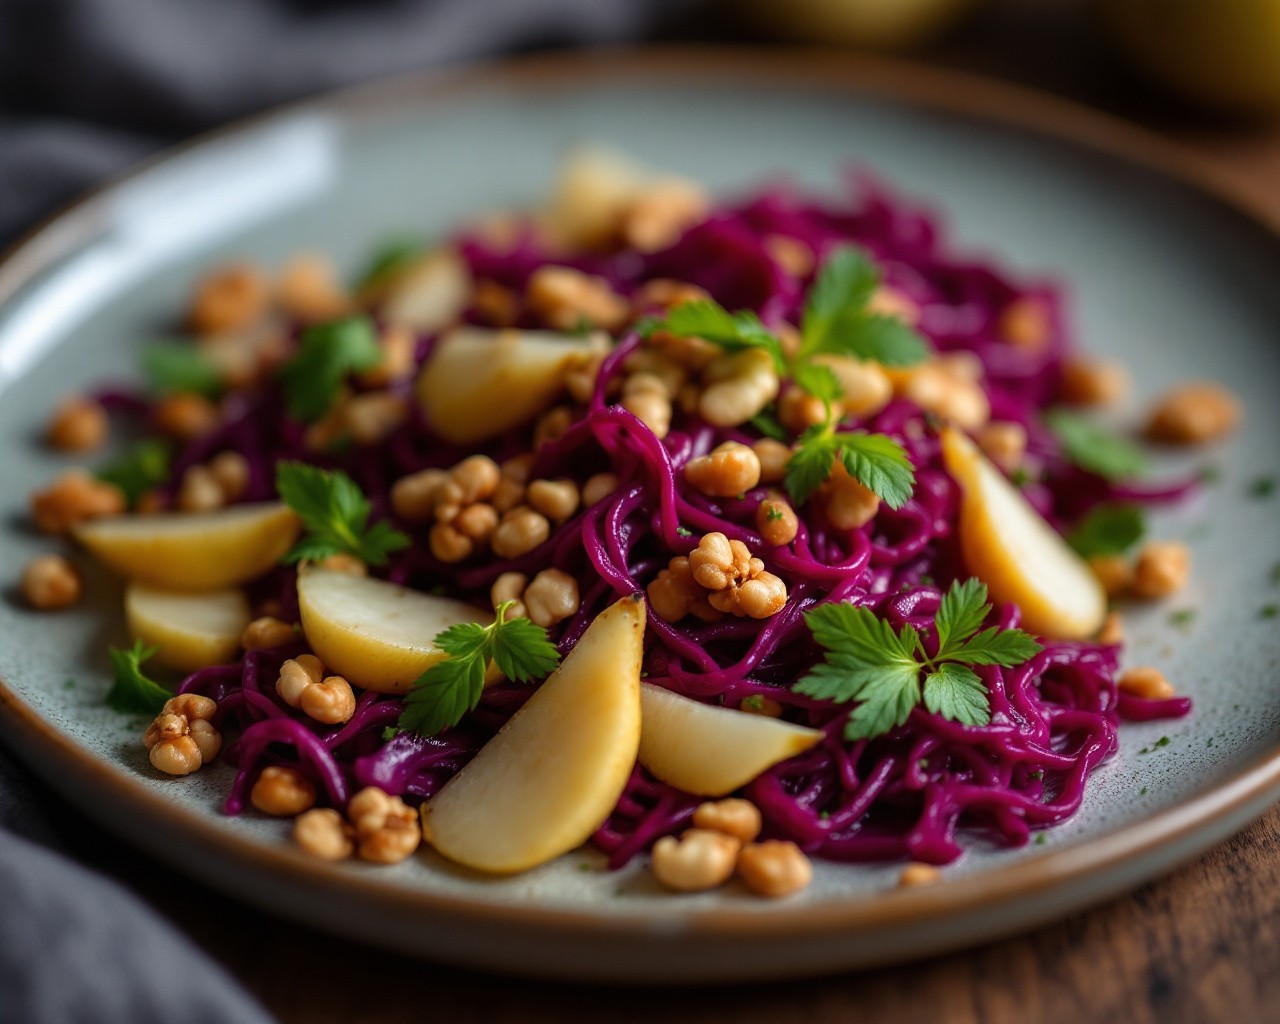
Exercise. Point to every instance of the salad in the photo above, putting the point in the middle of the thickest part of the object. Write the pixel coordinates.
(734, 535)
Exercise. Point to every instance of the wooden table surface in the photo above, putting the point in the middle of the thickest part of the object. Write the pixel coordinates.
(1200, 945)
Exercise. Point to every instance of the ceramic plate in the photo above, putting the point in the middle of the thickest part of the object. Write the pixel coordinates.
(1163, 271)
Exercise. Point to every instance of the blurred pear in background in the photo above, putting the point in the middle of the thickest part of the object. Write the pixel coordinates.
(875, 24)
(1222, 53)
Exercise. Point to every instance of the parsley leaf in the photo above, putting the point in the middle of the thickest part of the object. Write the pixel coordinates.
(876, 461)
(766, 421)
(326, 354)
(1093, 448)
(144, 466)
(1108, 529)
(132, 692)
(452, 687)
(864, 660)
(733, 332)
(336, 515)
(170, 369)
(820, 381)
(836, 318)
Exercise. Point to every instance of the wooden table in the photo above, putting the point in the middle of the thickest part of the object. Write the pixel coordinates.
(1200, 945)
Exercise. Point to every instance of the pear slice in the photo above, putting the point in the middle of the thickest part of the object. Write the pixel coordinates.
(376, 634)
(480, 383)
(708, 750)
(553, 773)
(194, 550)
(191, 630)
(1021, 558)
(429, 295)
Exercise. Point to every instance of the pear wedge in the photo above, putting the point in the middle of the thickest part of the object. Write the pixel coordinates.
(191, 631)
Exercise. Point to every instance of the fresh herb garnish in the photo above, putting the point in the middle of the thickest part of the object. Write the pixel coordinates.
(175, 368)
(1094, 448)
(390, 733)
(388, 261)
(326, 354)
(145, 465)
(683, 531)
(452, 687)
(766, 421)
(876, 461)
(1263, 487)
(1182, 618)
(132, 692)
(336, 515)
(1041, 839)
(1269, 611)
(867, 662)
(1108, 529)
(1142, 791)
(753, 703)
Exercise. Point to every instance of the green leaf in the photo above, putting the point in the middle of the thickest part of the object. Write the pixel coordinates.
(335, 514)
(180, 367)
(132, 692)
(962, 610)
(820, 381)
(145, 465)
(995, 646)
(883, 339)
(1108, 529)
(879, 463)
(326, 354)
(845, 284)
(452, 687)
(810, 464)
(1094, 448)
(766, 422)
(886, 704)
(733, 332)
(395, 256)
(958, 695)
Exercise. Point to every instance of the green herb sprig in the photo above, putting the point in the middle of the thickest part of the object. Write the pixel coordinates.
(1111, 528)
(876, 461)
(867, 662)
(180, 367)
(327, 353)
(1094, 448)
(132, 691)
(143, 466)
(335, 513)
(452, 687)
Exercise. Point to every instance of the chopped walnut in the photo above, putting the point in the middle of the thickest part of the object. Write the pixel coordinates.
(386, 828)
(182, 737)
(738, 582)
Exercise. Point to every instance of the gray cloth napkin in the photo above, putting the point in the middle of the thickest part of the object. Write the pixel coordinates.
(87, 87)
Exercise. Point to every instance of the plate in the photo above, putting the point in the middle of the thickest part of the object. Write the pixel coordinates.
(1165, 270)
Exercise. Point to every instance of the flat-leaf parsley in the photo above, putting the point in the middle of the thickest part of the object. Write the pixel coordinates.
(335, 513)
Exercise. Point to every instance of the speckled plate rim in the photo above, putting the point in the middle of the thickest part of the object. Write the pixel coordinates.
(899, 924)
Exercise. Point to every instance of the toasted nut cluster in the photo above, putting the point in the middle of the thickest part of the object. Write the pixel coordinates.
(266, 632)
(773, 456)
(228, 298)
(386, 828)
(734, 817)
(1194, 414)
(282, 792)
(949, 386)
(791, 254)
(303, 684)
(551, 597)
(1145, 682)
(849, 505)
(1161, 569)
(914, 875)
(1112, 631)
(598, 487)
(323, 833)
(737, 581)
(372, 417)
(565, 298)
(1024, 323)
(798, 410)
(309, 289)
(737, 386)
(519, 532)
(50, 582)
(1093, 382)
(78, 425)
(460, 501)
(731, 469)
(185, 415)
(700, 859)
(1114, 572)
(865, 387)
(71, 499)
(674, 593)
(1004, 443)
(199, 491)
(648, 397)
(776, 520)
(182, 737)
(658, 215)
(495, 305)
(774, 868)
(398, 347)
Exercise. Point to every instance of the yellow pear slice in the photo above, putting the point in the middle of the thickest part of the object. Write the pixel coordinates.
(480, 383)
(428, 295)
(709, 750)
(194, 550)
(191, 630)
(554, 772)
(376, 634)
(1021, 558)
